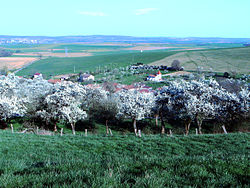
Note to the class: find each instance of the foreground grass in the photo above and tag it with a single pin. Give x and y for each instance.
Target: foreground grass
(124, 161)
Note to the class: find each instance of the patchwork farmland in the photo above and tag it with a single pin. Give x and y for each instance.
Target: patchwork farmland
(56, 59)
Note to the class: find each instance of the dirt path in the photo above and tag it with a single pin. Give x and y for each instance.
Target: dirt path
(179, 73)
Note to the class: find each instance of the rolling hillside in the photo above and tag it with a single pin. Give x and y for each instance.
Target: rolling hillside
(217, 60)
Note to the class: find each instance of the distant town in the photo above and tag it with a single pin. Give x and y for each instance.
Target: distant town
(8, 39)
(18, 41)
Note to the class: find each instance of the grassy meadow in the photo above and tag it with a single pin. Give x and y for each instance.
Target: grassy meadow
(29, 160)
(215, 60)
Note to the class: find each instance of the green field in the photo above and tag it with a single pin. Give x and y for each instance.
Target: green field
(217, 60)
(56, 66)
(29, 160)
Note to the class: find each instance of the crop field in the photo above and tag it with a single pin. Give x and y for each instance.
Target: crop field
(215, 60)
(50, 54)
(57, 66)
(116, 47)
(15, 62)
(28, 160)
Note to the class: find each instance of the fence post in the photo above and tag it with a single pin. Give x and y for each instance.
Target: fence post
(61, 131)
(196, 131)
(12, 129)
(224, 129)
(110, 132)
(170, 133)
(139, 133)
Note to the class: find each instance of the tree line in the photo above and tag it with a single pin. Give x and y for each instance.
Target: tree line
(195, 101)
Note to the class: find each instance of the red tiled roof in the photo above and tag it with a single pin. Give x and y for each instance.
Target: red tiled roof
(151, 75)
(144, 91)
(54, 81)
(129, 87)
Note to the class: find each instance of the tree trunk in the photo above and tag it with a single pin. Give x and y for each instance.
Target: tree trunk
(107, 127)
(135, 128)
(162, 125)
(156, 120)
(187, 126)
(199, 123)
(73, 128)
(55, 128)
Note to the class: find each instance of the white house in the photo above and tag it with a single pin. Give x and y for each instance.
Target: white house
(86, 77)
(155, 78)
(36, 75)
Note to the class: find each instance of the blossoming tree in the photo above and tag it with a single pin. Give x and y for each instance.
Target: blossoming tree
(135, 105)
(11, 104)
(64, 104)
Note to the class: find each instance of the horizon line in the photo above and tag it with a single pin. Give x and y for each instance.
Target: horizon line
(1, 35)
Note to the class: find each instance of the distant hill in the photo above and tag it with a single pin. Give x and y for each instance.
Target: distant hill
(116, 38)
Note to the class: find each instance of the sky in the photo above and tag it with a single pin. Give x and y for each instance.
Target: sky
(145, 18)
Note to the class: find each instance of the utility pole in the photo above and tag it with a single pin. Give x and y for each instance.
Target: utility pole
(66, 52)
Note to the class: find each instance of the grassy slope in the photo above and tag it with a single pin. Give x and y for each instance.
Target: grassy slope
(124, 161)
(220, 60)
(57, 66)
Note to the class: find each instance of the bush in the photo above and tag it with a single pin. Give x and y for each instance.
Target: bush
(176, 65)
(4, 53)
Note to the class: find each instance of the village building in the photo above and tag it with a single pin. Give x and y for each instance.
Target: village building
(86, 77)
(155, 78)
(36, 75)
(142, 88)
(65, 78)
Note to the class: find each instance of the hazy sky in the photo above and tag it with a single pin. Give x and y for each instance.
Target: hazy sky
(169, 18)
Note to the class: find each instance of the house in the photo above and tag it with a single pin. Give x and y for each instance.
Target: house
(66, 78)
(155, 78)
(85, 77)
(36, 75)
